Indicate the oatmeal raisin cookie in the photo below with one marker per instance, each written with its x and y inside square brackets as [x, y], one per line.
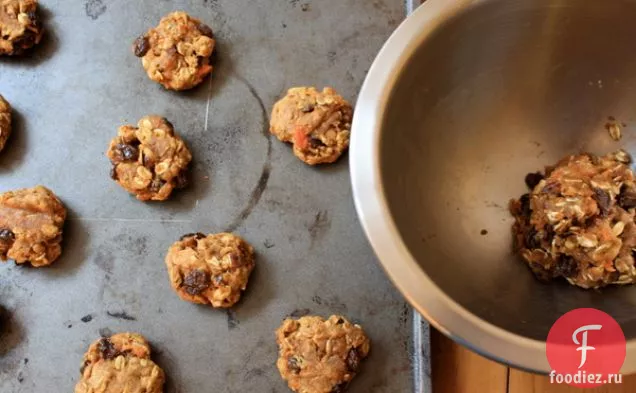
[320, 356]
[177, 52]
[31, 224]
[20, 27]
[212, 269]
[120, 363]
[149, 160]
[318, 124]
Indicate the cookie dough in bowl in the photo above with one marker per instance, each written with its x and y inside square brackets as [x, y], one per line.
[578, 221]
[440, 146]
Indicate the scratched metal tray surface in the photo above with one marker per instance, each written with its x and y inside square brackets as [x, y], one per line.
[72, 93]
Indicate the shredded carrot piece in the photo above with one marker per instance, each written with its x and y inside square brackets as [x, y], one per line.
[300, 138]
[204, 70]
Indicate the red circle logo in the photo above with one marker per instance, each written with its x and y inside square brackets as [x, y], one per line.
[585, 348]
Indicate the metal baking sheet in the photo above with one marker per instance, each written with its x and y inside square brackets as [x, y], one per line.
[72, 93]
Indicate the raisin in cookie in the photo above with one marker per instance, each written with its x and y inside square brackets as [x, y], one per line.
[120, 363]
[212, 269]
[5, 122]
[149, 160]
[177, 52]
[318, 124]
[320, 356]
[577, 222]
[31, 223]
[20, 28]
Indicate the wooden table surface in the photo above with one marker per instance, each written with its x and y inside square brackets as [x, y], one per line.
[457, 370]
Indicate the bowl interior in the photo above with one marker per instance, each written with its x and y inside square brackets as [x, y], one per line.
[503, 89]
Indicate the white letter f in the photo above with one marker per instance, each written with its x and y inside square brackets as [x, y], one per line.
[584, 347]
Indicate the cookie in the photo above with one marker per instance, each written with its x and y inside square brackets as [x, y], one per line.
[177, 52]
[318, 124]
[149, 160]
[320, 356]
[31, 224]
[5, 122]
[20, 27]
[120, 363]
[577, 221]
[212, 269]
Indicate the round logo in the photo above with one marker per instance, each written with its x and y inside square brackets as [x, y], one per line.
[585, 347]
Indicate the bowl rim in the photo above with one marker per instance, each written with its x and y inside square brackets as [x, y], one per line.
[416, 286]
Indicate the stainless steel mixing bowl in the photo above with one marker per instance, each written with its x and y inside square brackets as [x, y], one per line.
[464, 99]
